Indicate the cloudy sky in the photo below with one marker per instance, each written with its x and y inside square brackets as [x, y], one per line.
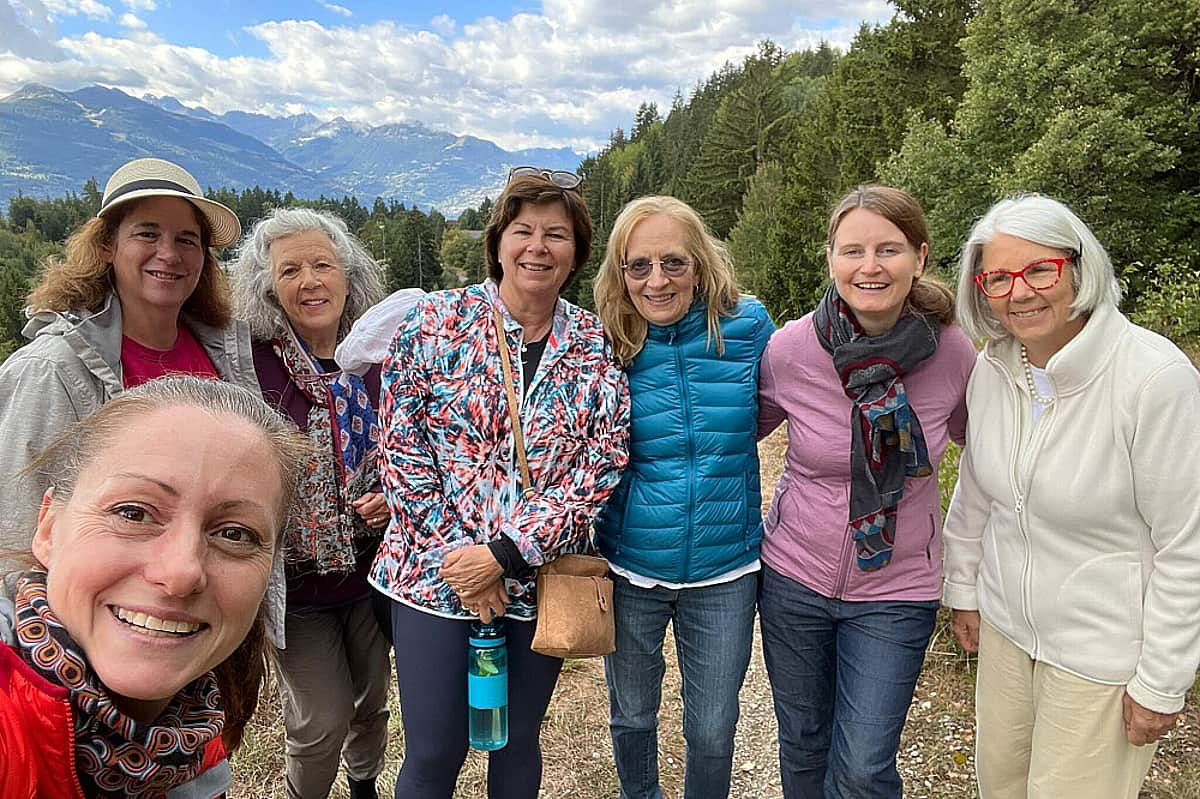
[550, 73]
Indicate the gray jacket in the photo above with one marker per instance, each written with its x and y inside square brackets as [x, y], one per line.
[70, 367]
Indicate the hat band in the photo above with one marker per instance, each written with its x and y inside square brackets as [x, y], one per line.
[139, 185]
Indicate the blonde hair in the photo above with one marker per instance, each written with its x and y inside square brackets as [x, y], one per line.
[715, 282]
[81, 279]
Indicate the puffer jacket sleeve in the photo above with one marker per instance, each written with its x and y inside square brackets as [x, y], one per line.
[1165, 454]
[557, 518]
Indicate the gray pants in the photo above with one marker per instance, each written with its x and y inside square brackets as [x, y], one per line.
[333, 679]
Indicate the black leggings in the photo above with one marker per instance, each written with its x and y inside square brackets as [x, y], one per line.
[431, 671]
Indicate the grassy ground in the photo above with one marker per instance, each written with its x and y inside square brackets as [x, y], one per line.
[936, 754]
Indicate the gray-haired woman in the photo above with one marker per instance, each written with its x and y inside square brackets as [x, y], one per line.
[300, 281]
[1073, 540]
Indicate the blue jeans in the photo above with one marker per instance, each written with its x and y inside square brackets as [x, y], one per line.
[714, 628]
[842, 676]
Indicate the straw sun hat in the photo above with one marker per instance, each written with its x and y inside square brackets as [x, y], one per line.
[154, 177]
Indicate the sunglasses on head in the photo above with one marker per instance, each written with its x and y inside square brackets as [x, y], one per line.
[559, 177]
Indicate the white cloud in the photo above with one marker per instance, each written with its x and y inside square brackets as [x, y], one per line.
[69, 8]
[565, 76]
[335, 8]
[444, 25]
[132, 21]
[140, 5]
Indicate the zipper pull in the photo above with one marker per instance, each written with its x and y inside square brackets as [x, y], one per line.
[1020, 503]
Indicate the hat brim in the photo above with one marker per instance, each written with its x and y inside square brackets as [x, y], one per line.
[224, 223]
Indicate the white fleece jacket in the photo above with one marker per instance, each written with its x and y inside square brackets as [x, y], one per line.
[1079, 540]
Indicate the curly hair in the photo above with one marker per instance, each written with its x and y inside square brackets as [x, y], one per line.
[254, 275]
[82, 278]
[715, 280]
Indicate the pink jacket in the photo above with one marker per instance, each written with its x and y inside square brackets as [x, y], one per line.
[805, 535]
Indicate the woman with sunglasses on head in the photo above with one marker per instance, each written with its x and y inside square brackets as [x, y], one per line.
[872, 385]
[1073, 540]
[467, 532]
[682, 530]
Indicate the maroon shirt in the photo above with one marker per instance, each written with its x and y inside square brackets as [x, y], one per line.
[307, 590]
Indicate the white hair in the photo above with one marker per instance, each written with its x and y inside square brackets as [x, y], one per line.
[253, 275]
[1041, 220]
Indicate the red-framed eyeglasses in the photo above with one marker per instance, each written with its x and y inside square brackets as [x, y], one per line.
[1040, 275]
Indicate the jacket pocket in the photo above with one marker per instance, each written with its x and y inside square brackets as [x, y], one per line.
[772, 520]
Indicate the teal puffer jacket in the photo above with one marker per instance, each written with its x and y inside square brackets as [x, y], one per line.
[688, 507]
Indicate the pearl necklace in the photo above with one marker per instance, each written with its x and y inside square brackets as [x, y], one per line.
[1033, 392]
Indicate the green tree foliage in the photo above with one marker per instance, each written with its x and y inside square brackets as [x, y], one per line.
[853, 120]
[54, 219]
[408, 244]
[462, 257]
[748, 240]
[1093, 103]
[747, 130]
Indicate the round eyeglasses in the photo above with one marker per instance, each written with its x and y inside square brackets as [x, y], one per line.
[559, 177]
[1040, 275]
[671, 266]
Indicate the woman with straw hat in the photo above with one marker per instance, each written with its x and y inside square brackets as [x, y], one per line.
[138, 295]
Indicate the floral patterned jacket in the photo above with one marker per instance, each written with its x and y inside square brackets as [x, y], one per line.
[450, 472]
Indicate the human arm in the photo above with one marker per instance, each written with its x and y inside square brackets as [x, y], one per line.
[770, 410]
[1165, 469]
[963, 359]
[965, 626]
[1142, 725]
[409, 470]
[37, 401]
[962, 536]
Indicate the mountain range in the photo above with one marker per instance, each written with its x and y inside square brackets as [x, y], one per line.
[51, 142]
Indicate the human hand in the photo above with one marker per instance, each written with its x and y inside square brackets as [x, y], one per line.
[487, 603]
[373, 509]
[965, 626]
[1142, 725]
[470, 569]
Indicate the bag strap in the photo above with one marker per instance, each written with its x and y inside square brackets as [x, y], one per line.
[518, 436]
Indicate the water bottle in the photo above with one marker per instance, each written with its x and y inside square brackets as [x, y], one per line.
[487, 686]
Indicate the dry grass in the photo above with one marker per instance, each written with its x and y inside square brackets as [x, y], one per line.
[936, 752]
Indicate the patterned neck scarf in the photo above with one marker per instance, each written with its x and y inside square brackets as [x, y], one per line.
[343, 428]
[115, 755]
[886, 443]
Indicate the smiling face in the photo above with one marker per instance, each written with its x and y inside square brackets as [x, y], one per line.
[157, 255]
[311, 287]
[536, 253]
[157, 562]
[659, 298]
[873, 266]
[1041, 320]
